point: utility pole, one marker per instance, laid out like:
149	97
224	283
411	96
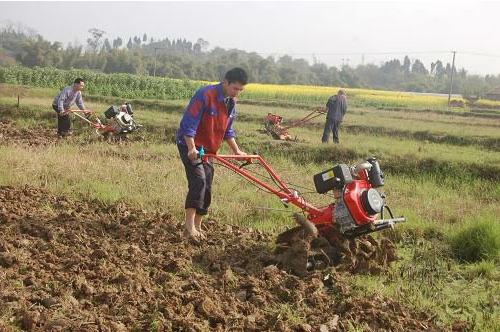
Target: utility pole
154	70
314	59
451	77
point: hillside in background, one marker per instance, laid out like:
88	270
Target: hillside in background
180	58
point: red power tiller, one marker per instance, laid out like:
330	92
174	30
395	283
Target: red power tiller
119	120
273	123
357	201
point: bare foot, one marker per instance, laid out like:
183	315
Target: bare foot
203	235
193	235
197	225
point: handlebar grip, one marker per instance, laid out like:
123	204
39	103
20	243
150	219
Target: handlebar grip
201	153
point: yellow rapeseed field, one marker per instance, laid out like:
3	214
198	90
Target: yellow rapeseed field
359	97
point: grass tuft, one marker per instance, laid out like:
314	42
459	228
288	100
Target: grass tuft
477	239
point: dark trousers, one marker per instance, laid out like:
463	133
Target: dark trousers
332	126
200	176
63	122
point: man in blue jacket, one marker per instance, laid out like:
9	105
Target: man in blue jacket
337	107
207	122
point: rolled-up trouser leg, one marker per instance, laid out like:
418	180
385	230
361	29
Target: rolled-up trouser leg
209	176
199	176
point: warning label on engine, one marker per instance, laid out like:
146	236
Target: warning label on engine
327	175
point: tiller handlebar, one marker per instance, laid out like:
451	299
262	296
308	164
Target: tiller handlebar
94	124
309	117
273	123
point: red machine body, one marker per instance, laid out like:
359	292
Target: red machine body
352	197
120	121
273	118
273	123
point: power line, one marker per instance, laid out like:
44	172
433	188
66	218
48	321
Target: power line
363	54
356	53
481	54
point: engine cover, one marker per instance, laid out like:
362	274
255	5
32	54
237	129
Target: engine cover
372	201
122	123
353	199
123	119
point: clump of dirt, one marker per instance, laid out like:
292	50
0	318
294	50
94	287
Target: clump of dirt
83	266
304	248
12	135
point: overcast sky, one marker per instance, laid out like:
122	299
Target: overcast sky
332	32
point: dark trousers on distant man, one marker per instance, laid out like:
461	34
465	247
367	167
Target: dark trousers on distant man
200	176
331	126
63	122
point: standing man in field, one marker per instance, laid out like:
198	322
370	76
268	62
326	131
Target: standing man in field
207	121
63	101
336	107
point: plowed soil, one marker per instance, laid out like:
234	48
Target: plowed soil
70	265
10	134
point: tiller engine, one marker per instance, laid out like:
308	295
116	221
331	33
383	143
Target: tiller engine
119	120
332	234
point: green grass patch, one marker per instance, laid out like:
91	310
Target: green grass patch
477	239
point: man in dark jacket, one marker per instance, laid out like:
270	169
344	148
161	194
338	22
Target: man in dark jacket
207	122
62	102
337	107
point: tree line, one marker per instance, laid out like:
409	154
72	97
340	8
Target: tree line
183	59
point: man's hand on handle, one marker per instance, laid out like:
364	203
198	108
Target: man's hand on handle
238	152
192	154
234	147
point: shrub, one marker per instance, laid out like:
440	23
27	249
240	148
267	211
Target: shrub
477	239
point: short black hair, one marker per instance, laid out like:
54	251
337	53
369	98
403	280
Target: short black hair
78	80
236	75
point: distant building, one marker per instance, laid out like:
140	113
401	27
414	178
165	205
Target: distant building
493	94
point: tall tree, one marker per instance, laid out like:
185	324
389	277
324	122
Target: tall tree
439	69
406	64
419	68
106	47
392	66
117	43
137	41
203	44
94	41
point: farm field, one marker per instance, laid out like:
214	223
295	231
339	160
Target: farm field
91	230
133	86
